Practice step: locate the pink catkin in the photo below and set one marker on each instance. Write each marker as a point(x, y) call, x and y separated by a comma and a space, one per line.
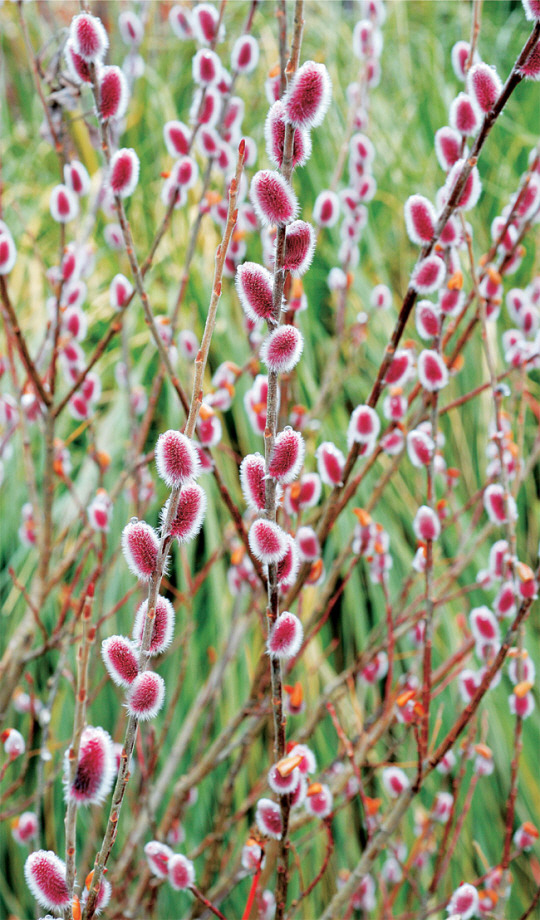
point(158, 856)
point(420, 218)
point(400, 369)
point(330, 462)
point(273, 198)
point(255, 290)
point(177, 138)
point(89, 37)
point(282, 349)
point(432, 371)
point(447, 147)
point(287, 456)
point(163, 627)
point(484, 86)
point(268, 818)
point(45, 875)
point(180, 872)
point(463, 115)
point(113, 93)
point(319, 803)
point(299, 247)
point(267, 541)
point(531, 68)
point(308, 95)
point(532, 9)
point(120, 660)
point(252, 480)
point(78, 68)
point(428, 275)
point(287, 568)
point(245, 54)
point(177, 459)
point(95, 768)
point(140, 546)
point(286, 636)
point(274, 133)
point(8, 252)
point(146, 696)
point(190, 513)
point(124, 173)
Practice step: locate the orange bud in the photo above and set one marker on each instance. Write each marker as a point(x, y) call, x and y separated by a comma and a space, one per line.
point(237, 555)
point(296, 694)
point(493, 274)
point(523, 688)
point(396, 391)
point(524, 571)
point(350, 279)
point(165, 174)
point(258, 407)
point(273, 72)
point(88, 880)
point(458, 363)
point(299, 410)
point(530, 829)
point(212, 654)
point(363, 517)
point(315, 572)
point(419, 709)
point(76, 909)
point(286, 765)
point(405, 698)
point(455, 283)
point(212, 198)
point(295, 490)
point(482, 260)
point(491, 894)
point(484, 751)
point(372, 805)
point(512, 448)
point(239, 235)
point(206, 412)
point(314, 788)
point(103, 459)
point(297, 289)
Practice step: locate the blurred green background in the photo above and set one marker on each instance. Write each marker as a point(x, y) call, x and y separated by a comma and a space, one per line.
point(410, 103)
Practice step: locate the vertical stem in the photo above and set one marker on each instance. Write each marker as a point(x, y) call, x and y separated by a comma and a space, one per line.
point(272, 610)
point(83, 654)
point(165, 545)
